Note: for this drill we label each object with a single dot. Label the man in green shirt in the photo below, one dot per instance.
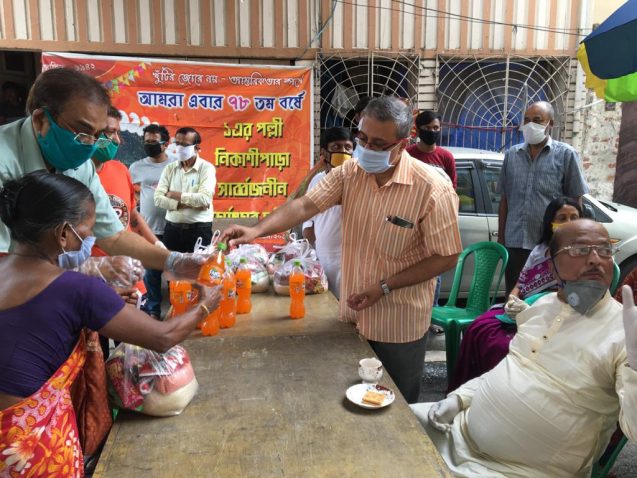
(67, 115)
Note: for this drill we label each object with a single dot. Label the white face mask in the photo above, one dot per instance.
(184, 153)
(533, 133)
(373, 162)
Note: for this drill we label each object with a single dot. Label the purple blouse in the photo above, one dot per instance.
(39, 335)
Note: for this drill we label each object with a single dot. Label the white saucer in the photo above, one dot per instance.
(355, 394)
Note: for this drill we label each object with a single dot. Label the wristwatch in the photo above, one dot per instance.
(385, 287)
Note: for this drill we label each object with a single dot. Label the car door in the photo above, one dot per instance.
(489, 172)
(472, 217)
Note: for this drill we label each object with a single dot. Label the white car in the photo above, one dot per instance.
(478, 174)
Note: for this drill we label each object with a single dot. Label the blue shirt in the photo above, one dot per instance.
(529, 185)
(20, 154)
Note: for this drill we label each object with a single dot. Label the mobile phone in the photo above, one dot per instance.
(400, 222)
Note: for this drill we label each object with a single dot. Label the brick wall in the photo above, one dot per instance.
(597, 142)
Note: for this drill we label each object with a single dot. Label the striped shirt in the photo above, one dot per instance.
(531, 184)
(375, 249)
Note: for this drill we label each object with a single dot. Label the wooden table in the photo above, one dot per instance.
(272, 404)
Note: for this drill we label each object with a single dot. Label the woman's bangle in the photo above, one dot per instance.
(205, 309)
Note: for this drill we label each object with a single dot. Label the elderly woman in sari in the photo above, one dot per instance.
(43, 310)
(486, 340)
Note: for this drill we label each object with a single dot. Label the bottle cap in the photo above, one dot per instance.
(297, 263)
(222, 246)
(243, 260)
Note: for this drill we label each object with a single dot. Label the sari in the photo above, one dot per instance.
(38, 435)
(486, 341)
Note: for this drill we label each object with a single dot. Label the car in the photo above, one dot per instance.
(478, 173)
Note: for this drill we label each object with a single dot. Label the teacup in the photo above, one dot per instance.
(370, 370)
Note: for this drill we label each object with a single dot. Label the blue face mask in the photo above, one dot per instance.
(61, 150)
(371, 161)
(106, 153)
(74, 259)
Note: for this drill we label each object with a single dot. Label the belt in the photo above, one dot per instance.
(193, 225)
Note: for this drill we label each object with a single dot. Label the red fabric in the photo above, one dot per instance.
(484, 344)
(38, 436)
(117, 183)
(90, 397)
(438, 157)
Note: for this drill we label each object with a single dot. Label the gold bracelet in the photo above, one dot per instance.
(206, 310)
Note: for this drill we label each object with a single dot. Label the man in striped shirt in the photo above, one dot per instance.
(400, 231)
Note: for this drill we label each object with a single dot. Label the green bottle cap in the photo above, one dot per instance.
(243, 260)
(222, 246)
(297, 263)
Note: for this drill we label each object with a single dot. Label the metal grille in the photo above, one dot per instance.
(345, 80)
(482, 100)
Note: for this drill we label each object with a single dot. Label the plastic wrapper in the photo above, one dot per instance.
(149, 382)
(257, 258)
(292, 250)
(315, 278)
(117, 271)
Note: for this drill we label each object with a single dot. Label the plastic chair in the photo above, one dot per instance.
(482, 294)
(603, 467)
(615, 283)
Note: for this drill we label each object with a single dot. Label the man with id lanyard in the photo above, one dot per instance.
(185, 190)
(400, 231)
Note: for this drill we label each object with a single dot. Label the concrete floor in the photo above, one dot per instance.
(434, 385)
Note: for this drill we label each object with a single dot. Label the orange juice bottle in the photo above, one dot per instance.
(228, 303)
(212, 271)
(179, 292)
(210, 325)
(244, 287)
(297, 291)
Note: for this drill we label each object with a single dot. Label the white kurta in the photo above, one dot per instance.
(549, 408)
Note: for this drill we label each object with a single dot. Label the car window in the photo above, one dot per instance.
(466, 190)
(491, 177)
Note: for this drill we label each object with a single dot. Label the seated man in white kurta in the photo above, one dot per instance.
(549, 408)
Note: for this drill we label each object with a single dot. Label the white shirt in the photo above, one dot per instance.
(327, 229)
(146, 173)
(549, 408)
(196, 185)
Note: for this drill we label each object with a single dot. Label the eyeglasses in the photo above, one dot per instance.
(579, 250)
(375, 147)
(89, 139)
(100, 141)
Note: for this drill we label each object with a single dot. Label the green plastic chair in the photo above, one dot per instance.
(615, 283)
(482, 294)
(601, 469)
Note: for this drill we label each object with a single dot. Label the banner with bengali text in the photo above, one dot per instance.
(255, 121)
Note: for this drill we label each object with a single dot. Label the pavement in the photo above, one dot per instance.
(434, 385)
